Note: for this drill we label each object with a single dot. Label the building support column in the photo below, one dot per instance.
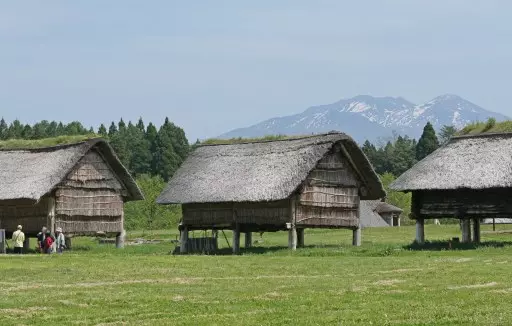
(476, 230)
(292, 238)
(466, 231)
(248, 239)
(236, 239)
(356, 236)
(26, 245)
(184, 239)
(300, 238)
(420, 231)
(68, 241)
(120, 239)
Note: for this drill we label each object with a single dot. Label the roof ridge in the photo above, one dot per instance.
(484, 135)
(288, 138)
(91, 141)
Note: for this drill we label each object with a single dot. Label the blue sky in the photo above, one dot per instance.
(212, 66)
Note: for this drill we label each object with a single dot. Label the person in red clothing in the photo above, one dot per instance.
(48, 243)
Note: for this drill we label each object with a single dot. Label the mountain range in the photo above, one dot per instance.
(371, 118)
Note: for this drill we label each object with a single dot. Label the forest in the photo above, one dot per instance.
(153, 154)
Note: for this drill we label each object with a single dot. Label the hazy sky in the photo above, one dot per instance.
(212, 66)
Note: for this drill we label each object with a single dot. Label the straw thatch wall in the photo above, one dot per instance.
(80, 187)
(253, 216)
(330, 196)
(89, 198)
(461, 203)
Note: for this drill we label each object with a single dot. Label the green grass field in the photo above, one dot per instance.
(383, 282)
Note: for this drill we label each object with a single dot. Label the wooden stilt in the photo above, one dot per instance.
(184, 240)
(466, 231)
(292, 238)
(300, 238)
(51, 218)
(248, 239)
(68, 241)
(356, 236)
(236, 239)
(476, 230)
(120, 239)
(3, 248)
(494, 224)
(26, 245)
(420, 231)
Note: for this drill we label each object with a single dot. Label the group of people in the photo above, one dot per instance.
(46, 241)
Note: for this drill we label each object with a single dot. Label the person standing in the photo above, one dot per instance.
(40, 239)
(60, 240)
(18, 237)
(48, 243)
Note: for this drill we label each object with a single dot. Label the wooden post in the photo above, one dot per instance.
(493, 224)
(356, 236)
(398, 220)
(248, 239)
(292, 231)
(51, 217)
(236, 239)
(466, 231)
(300, 238)
(120, 239)
(420, 231)
(476, 230)
(26, 245)
(292, 238)
(68, 242)
(183, 240)
(2, 241)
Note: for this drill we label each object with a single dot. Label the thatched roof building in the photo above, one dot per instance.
(314, 181)
(80, 187)
(376, 213)
(468, 178)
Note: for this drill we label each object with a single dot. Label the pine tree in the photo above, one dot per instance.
(139, 147)
(4, 128)
(27, 132)
(15, 130)
(102, 131)
(140, 125)
(152, 139)
(168, 160)
(427, 143)
(112, 130)
(121, 125)
(52, 129)
(446, 133)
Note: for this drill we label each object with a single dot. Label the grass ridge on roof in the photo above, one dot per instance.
(45, 142)
(268, 138)
(489, 126)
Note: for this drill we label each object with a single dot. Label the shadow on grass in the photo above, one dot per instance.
(448, 245)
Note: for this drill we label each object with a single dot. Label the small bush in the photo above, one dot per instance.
(491, 123)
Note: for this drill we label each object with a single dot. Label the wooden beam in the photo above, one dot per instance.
(236, 239)
(300, 238)
(466, 231)
(476, 230)
(183, 240)
(292, 232)
(356, 236)
(420, 231)
(292, 238)
(248, 239)
(120, 239)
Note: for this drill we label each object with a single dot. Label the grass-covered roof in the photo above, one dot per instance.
(489, 126)
(46, 142)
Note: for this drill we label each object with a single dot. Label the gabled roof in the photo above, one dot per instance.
(32, 173)
(368, 215)
(472, 162)
(260, 171)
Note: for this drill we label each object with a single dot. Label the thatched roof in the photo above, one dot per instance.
(471, 162)
(383, 207)
(32, 173)
(369, 214)
(260, 171)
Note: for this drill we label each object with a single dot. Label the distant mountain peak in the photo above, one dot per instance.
(368, 117)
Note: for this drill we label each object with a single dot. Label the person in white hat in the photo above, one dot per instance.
(60, 240)
(18, 237)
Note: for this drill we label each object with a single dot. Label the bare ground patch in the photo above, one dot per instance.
(388, 282)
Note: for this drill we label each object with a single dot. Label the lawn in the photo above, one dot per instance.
(384, 282)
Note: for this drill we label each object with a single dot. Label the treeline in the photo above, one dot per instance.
(143, 150)
(397, 156)
(151, 154)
